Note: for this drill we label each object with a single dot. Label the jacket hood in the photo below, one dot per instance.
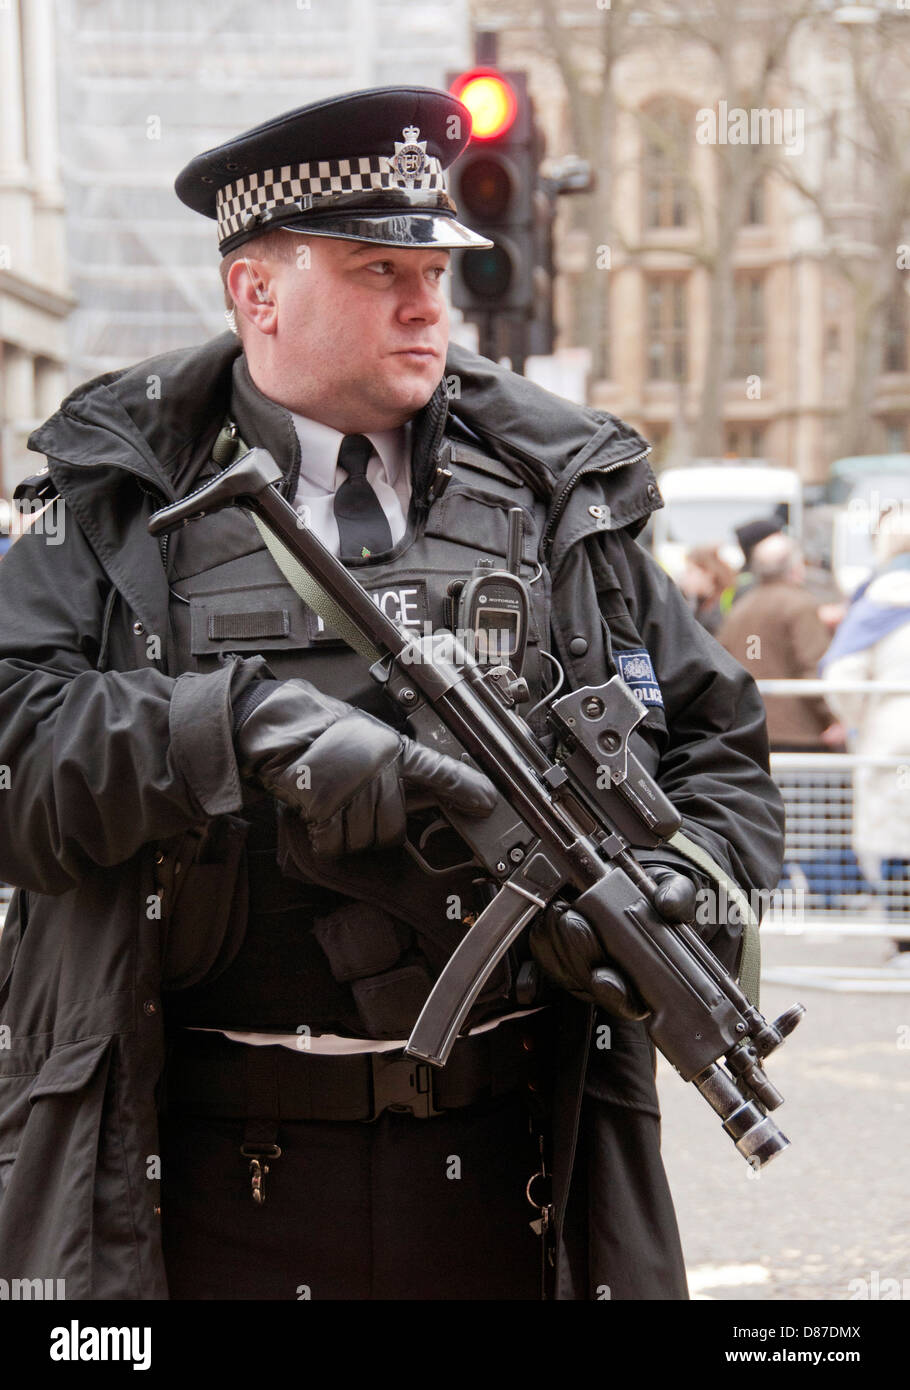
(154, 418)
(148, 418)
(544, 436)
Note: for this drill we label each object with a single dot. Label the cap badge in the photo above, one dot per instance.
(410, 160)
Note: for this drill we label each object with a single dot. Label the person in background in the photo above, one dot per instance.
(708, 583)
(749, 535)
(776, 633)
(6, 526)
(873, 644)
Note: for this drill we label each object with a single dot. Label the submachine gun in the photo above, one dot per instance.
(561, 824)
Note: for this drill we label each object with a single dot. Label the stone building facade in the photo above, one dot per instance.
(34, 291)
(796, 332)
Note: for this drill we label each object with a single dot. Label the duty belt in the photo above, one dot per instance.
(209, 1075)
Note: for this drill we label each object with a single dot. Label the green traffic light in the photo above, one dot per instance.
(487, 274)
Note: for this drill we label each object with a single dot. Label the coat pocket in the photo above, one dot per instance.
(621, 1065)
(203, 880)
(52, 1200)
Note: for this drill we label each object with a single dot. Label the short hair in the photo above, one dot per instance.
(774, 557)
(275, 245)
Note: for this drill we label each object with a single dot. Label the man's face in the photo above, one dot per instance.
(359, 333)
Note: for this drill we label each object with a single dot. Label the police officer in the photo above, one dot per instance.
(253, 776)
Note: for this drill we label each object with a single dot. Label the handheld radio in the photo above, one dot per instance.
(491, 609)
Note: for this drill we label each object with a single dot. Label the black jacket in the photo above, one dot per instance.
(111, 750)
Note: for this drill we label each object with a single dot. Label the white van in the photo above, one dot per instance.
(859, 490)
(706, 502)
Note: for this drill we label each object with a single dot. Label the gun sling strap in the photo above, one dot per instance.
(228, 446)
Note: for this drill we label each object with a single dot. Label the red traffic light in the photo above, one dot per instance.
(490, 99)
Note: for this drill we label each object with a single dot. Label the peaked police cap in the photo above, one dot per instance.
(365, 166)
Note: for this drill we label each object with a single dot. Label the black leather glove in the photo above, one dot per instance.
(345, 772)
(565, 946)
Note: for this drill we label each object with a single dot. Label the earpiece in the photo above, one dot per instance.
(258, 290)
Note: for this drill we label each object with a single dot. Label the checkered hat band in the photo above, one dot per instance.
(307, 183)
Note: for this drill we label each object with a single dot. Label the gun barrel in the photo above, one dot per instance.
(754, 1133)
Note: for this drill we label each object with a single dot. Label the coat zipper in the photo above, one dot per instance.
(559, 1216)
(563, 498)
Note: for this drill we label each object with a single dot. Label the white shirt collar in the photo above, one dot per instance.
(319, 445)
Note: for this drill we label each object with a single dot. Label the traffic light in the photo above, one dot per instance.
(493, 185)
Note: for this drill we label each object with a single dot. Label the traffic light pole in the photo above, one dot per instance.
(504, 334)
(506, 289)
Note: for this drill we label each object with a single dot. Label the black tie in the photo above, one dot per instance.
(363, 529)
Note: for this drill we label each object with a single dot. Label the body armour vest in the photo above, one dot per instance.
(353, 945)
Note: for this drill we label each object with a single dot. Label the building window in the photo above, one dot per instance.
(745, 441)
(895, 355)
(667, 136)
(749, 326)
(833, 134)
(755, 202)
(755, 207)
(667, 328)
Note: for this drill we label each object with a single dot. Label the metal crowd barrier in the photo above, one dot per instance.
(824, 887)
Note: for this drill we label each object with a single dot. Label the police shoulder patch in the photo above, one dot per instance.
(636, 669)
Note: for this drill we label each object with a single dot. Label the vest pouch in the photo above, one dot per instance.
(423, 916)
(480, 520)
(203, 882)
(389, 1004)
(362, 944)
(360, 940)
(416, 902)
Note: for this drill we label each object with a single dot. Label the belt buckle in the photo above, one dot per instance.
(402, 1084)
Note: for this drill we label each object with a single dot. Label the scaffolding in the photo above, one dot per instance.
(144, 85)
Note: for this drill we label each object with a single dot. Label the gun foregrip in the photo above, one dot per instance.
(692, 1021)
(654, 809)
